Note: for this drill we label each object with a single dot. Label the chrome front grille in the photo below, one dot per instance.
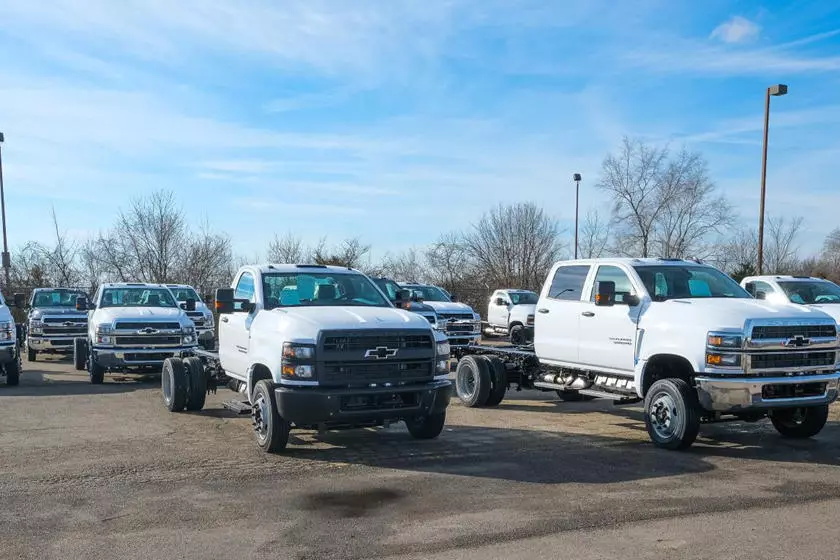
(791, 346)
(147, 334)
(59, 327)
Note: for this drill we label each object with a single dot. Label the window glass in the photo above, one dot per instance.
(523, 298)
(320, 289)
(623, 287)
(137, 297)
(758, 286)
(428, 293)
(687, 282)
(183, 294)
(245, 287)
(389, 287)
(815, 291)
(568, 282)
(56, 298)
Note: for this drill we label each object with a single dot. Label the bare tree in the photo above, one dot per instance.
(407, 266)
(594, 236)
(61, 259)
(514, 245)
(661, 204)
(288, 249)
(781, 247)
(448, 262)
(206, 262)
(350, 253)
(829, 259)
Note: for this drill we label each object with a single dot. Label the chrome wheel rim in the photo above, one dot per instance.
(467, 383)
(664, 418)
(259, 417)
(167, 387)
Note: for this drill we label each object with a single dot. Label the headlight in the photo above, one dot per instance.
(208, 316)
(7, 330)
(530, 320)
(443, 349)
(104, 328)
(724, 340)
(292, 351)
(723, 360)
(298, 371)
(36, 315)
(35, 327)
(187, 330)
(476, 317)
(189, 339)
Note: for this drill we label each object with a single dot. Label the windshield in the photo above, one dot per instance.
(137, 297)
(320, 290)
(56, 298)
(523, 298)
(389, 287)
(183, 294)
(688, 282)
(811, 292)
(428, 293)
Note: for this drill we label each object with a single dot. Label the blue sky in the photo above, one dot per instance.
(397, 120)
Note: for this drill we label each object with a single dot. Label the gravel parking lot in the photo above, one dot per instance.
(106, 472)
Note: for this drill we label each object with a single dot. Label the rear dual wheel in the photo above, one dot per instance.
(480, 380)
(183, 384)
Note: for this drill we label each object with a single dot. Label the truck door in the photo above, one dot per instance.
(608, 334)
(235, 330)
(557, 318)
(497, 315)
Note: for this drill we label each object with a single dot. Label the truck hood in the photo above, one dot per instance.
(830, 309)
(199, 306)
(309, 321)
(725, 313)
(449, 307)
(53, 311)
(109, 314)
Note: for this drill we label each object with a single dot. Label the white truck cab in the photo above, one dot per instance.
(9, 348)
(681, 335)
(201, 315)
(512, 312)
(53, 322)
(815, 293)
(132, 326)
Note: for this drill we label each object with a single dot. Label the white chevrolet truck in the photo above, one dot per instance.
(201, 315)
(815, 293)
(459, 321)
(132, 327)
(511, 312)
(681, 336)
(321, 347)
(9, 347)
(53, 322)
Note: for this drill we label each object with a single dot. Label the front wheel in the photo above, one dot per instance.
(31, 354)
(518, 335)
(426, 427)
(800, 423)
(13, 372)
(80, 353)
(672, 414)
(271, 429)
(95, 371)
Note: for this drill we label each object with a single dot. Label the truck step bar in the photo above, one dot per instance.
(616, 397)
(239, 407)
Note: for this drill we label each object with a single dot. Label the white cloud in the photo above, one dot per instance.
(736, 30)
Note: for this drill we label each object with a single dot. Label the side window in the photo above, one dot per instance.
(750, 287)
(623, 286)
(567, 283)
(244, 288)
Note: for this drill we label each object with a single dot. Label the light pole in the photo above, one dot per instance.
(576, 179)
(7, 261)
(776, 90)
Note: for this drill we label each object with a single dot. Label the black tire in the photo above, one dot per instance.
(197, 383)
(31, 354)
(95, 371)
(271, 429)
(573, 396)
(173, 384)
(13, 372)
(80, 353)
(672, 414)
(498, 380)
(426, 427)
(518, 335)
(207, 341)
(800, 423)
(472, 381)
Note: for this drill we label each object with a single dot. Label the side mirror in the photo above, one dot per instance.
(416, 297)
(190, 304)
(760, 294)
(632, 300)
(20, 301)
(224, 300)
(605, 295)
(500, 302)
(402, 297)
(81, 303)
(453, 297)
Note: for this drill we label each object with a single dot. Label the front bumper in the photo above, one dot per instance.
(304, 406)
(8, 352)
(113, 358)
(721, 394)
(52, 344)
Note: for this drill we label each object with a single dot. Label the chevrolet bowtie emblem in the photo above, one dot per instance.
(381, 353)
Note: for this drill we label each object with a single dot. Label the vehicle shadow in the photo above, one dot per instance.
(38, 384)
(501, 453)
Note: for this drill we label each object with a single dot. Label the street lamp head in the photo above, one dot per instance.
(576, 177)
(778, 89)
(1, 137)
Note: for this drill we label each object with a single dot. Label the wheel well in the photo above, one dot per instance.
(258, 373)
(664, 366)
(515, 323)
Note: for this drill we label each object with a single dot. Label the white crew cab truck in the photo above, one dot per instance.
(315, 346)
(816, 293)
(132, 327)
(682, 336)
(459, 321)
(201, 315)
(511, 312)
(53, 322)
(9, 347)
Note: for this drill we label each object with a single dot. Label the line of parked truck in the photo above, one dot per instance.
(323, 347)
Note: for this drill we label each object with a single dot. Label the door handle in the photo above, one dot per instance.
(542, 310)
(224, 319)
(588, 314)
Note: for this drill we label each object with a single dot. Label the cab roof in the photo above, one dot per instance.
(636, 261)
(299, 268)
(785, 278)
(133, 285)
